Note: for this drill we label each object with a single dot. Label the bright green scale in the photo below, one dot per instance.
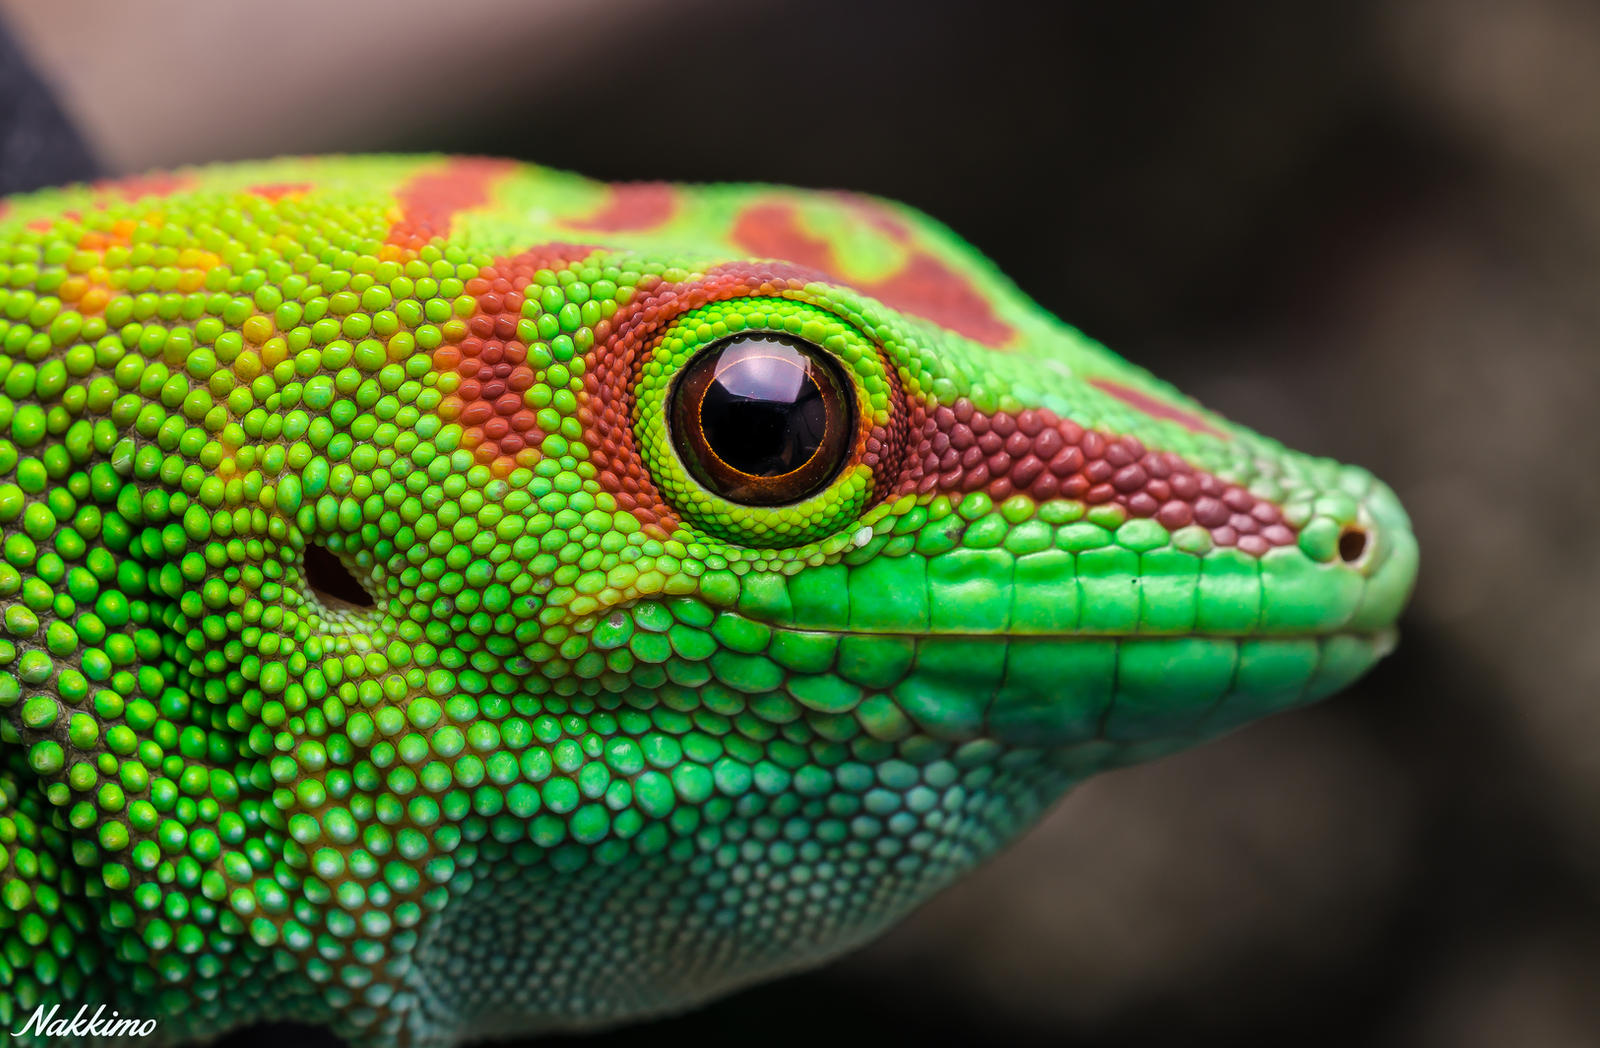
(614, 736)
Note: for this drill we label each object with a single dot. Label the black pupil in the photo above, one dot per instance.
(762, 412)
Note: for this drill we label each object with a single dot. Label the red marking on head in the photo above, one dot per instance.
(156, 184)
(957, 449)
(279, 190)
(431, 200)
(1155, 408)
(925, 286)
(497, 426)
(632, 207)
(929, 288)
(773, 231)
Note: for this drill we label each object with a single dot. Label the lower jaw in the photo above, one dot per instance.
(1123, 691)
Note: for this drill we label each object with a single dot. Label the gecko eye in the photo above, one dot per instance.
(763, 438)
(763, 419)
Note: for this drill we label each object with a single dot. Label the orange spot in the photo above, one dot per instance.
(119, 235)
(89, 292)
(1155, 408)
(198, 258)
(429, 202)
(279, 190)
(632, 206)
(925, 286)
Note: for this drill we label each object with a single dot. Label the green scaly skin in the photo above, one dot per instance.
(605, 743)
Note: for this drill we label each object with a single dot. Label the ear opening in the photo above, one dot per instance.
(329, 576)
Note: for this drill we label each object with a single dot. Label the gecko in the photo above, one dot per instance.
(445, 597)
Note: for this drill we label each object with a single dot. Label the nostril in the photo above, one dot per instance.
(1352, 544)
(327, 574)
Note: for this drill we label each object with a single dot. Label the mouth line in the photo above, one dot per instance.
(1386, 633)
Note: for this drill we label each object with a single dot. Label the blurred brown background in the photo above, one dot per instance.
(1370, 229)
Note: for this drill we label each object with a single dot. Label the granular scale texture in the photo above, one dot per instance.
(602, 742)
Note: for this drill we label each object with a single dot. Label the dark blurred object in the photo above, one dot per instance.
(1369, 229)
(38, 145)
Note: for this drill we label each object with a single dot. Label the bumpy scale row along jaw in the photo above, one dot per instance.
(373, 656)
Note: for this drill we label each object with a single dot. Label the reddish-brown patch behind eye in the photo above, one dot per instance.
(1153, 407)
(492, 362)
(278, 190)
(430, 201)
(925, 286)
(959, 449)
(632, 207)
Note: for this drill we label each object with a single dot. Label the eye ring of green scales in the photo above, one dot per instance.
(605, 743)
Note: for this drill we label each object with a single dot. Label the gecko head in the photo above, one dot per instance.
(869, 488)
(721, 591)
